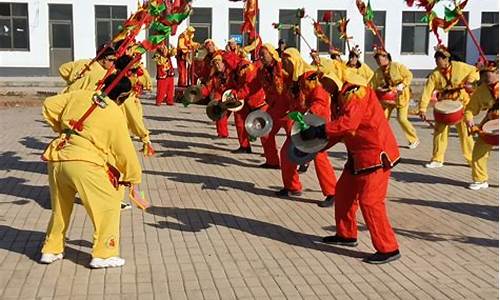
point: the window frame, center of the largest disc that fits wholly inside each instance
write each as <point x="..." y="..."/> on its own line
<point x="331" y="27"/>
<point x="288" y="26"/>
<point x="11" y="24"/>
<point x="414" y="25"/>
<point x="240" y="23"/>
<point x="485" y="26"/>
<point x="203" y="24"/>
<point x="381" y="28"/>
<point x="109" y="20"/>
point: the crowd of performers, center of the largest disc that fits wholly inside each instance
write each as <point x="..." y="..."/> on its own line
<point x="354" y="102"/>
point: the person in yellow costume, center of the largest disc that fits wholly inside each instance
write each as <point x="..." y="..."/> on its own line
<point x="395" y="76"/>
<point x="452" y="80"/>
<point x="485" y="97"/>
<point x="78" y="162"/>
<point x="85" y="74"/>
<point x="185" y="50"/>
<point x="357" y="67"/>
<point x="326" y="65"/>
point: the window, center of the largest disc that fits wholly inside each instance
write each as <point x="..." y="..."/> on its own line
<point x="489" y="32"/>
<point x="457" y="39"/>
<point x="370" y="39"/>
<point x="108" y="21"/>
<point x="14" y="30"/>
<point x="235" y="22"/>
<point x="201" y="20"/>
<point x="415" y="34"/>
<point x="331" y="31"/>
<point x="288" y="19"/>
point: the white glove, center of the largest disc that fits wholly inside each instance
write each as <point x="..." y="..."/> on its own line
<point x="400" y="87"/>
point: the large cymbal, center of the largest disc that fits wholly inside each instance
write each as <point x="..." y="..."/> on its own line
<point x="214" y="110"/>
<point x="298" y="157"/>
<point x="258" y="123"/>
<point x="309" y="146"/>
<point x="230" y="102"/>
<point x="192" y="94"/>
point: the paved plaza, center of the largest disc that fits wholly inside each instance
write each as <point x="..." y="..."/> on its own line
<point x="216" y="230"/>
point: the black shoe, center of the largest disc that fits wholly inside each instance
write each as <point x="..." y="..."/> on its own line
<point x="303" y="168"/>
<point x="337" y="240"/>
<point x="125" y="206"/>
<point x="242" y="150"/>
<point x="268" y="166"/>
<point x="287" y="193"/>
<point x="382" y="258"/>
<point x="328" y="202"/>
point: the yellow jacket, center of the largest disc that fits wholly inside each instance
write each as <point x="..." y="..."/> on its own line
<point x="104" y="138"/>
<point x="481" y="99"/>
<point x="397" y="74"/>
<point x="185" y="43"/>
<point x="460" y="73"/>
<point x="70" y="71"/>
<point x="364" y="71"/>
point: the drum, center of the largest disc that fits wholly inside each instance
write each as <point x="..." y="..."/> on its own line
<point x="448" y="112"/>
<point x="388" y="98"/>
<point x="489" y="132"/>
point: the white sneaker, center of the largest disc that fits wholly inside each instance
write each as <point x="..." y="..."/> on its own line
<point x="414" y="144"/>
<point x="478" y="185"/>
<point x="111" y="262"/>
<point x="125" y="206"/>
<point x="434" y="165"/>
<point x="48" y="258"/>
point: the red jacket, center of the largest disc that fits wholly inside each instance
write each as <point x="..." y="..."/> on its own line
<point x="276" y="89"/>
<point x="165" y="70"/>
<point x="365" y="131"/>
<point x="250" y="88"/>
<point x="217" y="85"/>
<point x="318" y="102"/>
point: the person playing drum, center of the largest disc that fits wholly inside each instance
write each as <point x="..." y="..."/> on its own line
<point x="454" y="81"/>
<point x="392" y="82"/>
<point x="484" y="98"/>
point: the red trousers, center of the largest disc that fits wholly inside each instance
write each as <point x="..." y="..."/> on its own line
<point x="165" y="91"/>
<point x="324" y="172"/>
<point x="221" y="125"/>
<point x="368" y="191"/>
<point x="269" y="141"/>
<point x="239" y="122"/>
<point x="183" y="72"/>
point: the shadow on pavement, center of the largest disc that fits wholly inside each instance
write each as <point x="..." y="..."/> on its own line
<point x="486" y="212"/>
<point x="14" y="186"/>
<point x="206" y="158"/>
<point x="29" y="243"/>
<point x="195" y="220"/>
<point x="411" y="177"/>
<point x="172" y="119"/>
<point x="11" y="161"/>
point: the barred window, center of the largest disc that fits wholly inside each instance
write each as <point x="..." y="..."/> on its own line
<point x="288" y="19"/>
<point x="14" y="30"/>
<point x="235" y="23"/>
<point x="457" y="39"/>
<point x="108" y="21"/>
<point x="489" y="32"/>
<point x="201" y="20"/>
<point x="415" y="34"/>
<point x="370" y="39"/>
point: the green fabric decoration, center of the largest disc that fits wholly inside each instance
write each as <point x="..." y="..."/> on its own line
<point x="298" y="117"/>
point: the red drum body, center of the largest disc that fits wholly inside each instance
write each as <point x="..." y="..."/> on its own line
<point x="489" y="132"/>
<point x="388" y="98"/>
<point x="448" y="112"/>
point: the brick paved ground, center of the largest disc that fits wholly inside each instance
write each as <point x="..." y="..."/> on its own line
<point x="217" y="232"/>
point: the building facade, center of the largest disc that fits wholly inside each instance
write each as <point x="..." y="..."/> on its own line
<point x="36" y="36"/>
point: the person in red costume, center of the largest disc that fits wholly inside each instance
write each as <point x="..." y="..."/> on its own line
<point x="185" y="49"/>
<point x="219" y="82"/>
<point x="164" y="75"/>
<point x="274" y="82"/>
<point x="206" y="69"/>
<point x="372" y="152"/>
<point x="313" y="98"/>
<point x="249" y="89"/>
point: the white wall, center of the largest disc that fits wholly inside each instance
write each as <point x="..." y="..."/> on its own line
<point x="84" y="27"/>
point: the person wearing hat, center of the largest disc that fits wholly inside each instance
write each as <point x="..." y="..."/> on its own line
<point x="393" y="76"/>
<point x="219" y="82"/>
<point x="274" y="82"/>
<point x="313" y="98"/>
<point x="164" y="75"/>
<point x="185" y="49"/>
<point x="85" y="74"/>
<point x="372" y="151"/>
<point x="232" y="46"/>
<point x="206" y="69"/>
<point x="249" y="89"/>
<point x="78" y="162"/>
<point x="452" y="80"/>
<point x="281" y="47"/>
<point x="485" y="97"/>
<point x="359" y="68"/>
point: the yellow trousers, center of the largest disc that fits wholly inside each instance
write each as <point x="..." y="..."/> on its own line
<point x="480" y="155"/>
<point x="132" y="108"/>
<point x="100" y="199"/>
<point x="440" y="141"/>
<point x="402" y="114"/>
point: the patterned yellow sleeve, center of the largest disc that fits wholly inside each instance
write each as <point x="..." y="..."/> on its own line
<point x="430" y="84"/>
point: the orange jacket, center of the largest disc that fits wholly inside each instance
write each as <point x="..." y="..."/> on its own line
<point x="365" y="131"/>
<point x="217" y="85"/>
<point x="275" y="86"/>
<point x="250" y="89"/>
<point x="318" y="102"/>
